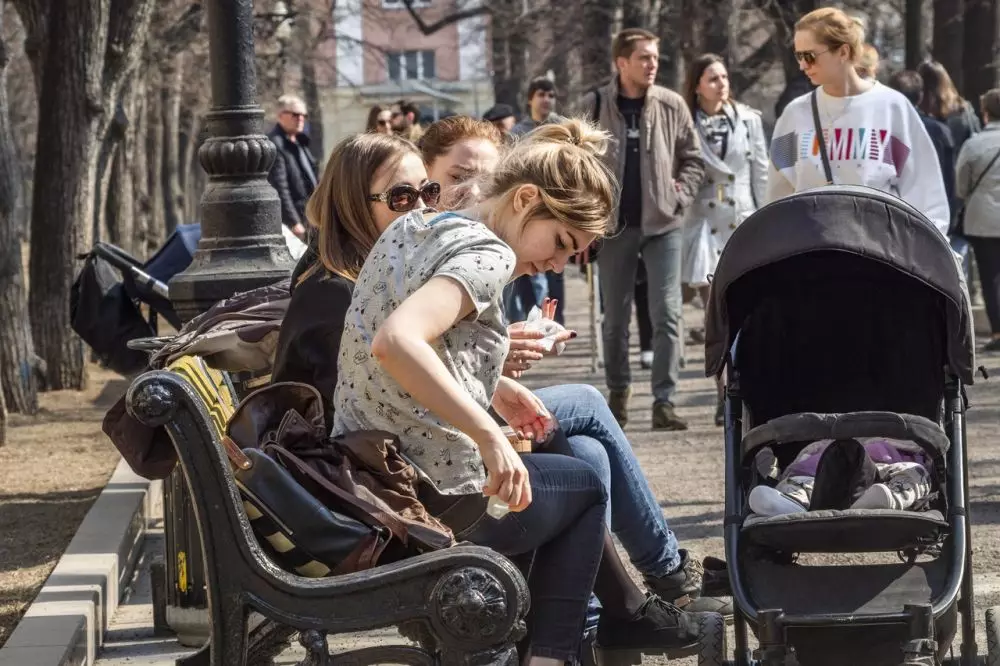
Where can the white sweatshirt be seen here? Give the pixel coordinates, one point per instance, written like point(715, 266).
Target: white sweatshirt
point(877, 140)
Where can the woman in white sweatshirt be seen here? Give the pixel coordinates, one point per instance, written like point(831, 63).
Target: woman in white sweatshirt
point(873, 135)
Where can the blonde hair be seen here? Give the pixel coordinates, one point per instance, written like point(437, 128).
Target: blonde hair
point(563, 160)
point(339, 208)
point(868, 62)
point(834, 29)
point(289, 102)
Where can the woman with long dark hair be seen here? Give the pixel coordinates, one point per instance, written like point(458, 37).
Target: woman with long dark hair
point(735, 154)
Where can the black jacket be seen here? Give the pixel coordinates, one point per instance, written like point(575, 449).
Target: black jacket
point(288, 176)
point(309, 341)
point(944, 146)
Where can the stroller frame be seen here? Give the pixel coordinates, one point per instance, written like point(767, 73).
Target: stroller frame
point(844, 305)
point(772, 622)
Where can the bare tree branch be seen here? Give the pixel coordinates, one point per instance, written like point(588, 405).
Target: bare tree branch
point(454, 17)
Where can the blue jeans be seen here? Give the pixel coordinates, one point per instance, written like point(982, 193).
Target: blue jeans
point(618, 263)
point(633, 513)
point(523, 293)
point(564, 527)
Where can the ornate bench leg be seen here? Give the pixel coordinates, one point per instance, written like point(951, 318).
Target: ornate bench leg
point(317, 649)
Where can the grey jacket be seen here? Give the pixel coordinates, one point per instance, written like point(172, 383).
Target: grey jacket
point(981, 207)
point(528, 123)
point(671, 164)
point(736, 186)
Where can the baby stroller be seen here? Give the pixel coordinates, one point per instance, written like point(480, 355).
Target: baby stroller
point(106, 297)
point(839, 313)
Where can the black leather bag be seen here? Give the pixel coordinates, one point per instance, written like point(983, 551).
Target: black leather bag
point(307, 486)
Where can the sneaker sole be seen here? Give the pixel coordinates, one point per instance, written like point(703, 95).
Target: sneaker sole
point(633, 656)
point(670, 427)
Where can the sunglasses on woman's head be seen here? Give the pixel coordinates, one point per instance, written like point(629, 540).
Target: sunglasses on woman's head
point(809, 57)
point(403, 198)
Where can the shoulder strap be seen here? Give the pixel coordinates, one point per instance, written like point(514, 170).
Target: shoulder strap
point(821, 139)
point(595, 115)
point(982, 175)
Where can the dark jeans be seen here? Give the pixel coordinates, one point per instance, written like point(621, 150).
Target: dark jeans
point(988, 260)
point(564, 526)
point(557, 290)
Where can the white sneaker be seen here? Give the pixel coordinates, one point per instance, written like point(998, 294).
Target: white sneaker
point(878, 496)
point(646, 359)
point(899, 494)
point(766, 501)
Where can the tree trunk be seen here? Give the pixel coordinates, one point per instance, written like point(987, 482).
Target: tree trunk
point(784, 14)
point(173, 195)
point(18, 378)
point(121, 206)
point(3, 416)
point(154, 170)
point(949, 30)
point(671, 72)
point(138, 133)
point(595, 58)
point(69, 109)
point(306, 53)
point(96, 43)
point(634, 14)
point(913, 16)
point(979, 64)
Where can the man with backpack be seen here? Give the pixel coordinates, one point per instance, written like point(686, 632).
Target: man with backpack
point(657, 159)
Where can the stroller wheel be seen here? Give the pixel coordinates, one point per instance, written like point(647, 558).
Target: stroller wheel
point(712, 640)
point(993, 636)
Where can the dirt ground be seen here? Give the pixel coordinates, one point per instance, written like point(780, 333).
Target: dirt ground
point(51, 470)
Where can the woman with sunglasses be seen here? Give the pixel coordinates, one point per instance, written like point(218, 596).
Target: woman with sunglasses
point(379, 120)
point(422, 354)
point(461, 153)
point(345, 223)
point(872, 134)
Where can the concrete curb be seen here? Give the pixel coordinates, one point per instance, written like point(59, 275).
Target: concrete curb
point(66, 623)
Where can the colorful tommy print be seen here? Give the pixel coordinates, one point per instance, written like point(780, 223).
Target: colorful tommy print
point(855, 144)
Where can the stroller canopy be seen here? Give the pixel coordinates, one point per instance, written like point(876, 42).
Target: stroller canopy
point(858, 221)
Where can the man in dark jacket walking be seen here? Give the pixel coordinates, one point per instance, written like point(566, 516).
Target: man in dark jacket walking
point(295, 171)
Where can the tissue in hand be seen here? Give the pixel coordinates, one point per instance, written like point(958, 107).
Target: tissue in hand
point(549, 328)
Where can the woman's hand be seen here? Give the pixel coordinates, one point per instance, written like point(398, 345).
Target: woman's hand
point(525, 350)
point(506, 476)
point(523, 411)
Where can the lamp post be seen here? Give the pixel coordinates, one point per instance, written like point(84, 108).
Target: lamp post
point(241, 248)
point(241, 242)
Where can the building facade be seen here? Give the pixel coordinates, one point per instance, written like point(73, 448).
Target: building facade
point(381, 56)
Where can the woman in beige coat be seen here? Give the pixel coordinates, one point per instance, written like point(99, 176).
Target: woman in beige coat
point(735, 154)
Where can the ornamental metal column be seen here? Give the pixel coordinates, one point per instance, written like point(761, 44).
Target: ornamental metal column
point(241, 248)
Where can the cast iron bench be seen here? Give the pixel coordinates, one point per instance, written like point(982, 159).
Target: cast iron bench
point(465, 605)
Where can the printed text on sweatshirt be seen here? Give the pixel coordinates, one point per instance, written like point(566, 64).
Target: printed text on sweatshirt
point(875, 139)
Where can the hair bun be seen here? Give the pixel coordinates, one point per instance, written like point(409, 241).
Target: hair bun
point(572, 131)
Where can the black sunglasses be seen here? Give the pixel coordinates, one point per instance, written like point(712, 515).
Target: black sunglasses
point(809, 57)
point(403, 198)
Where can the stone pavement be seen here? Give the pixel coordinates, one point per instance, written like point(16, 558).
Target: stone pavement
point(684, 471)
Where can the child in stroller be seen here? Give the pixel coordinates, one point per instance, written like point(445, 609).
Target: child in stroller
point(883, 473)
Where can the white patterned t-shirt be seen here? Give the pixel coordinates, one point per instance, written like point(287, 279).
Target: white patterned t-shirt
point(414, 249)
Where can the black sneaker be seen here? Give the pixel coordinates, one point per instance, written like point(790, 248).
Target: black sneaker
point(657, 625)
point(992, 346)
point(683, 588)
point(665, 418)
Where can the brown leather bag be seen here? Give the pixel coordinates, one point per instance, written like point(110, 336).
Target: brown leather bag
point(361, 477)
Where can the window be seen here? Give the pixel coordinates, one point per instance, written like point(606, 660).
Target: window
point(398, 4)
point(411, 65)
